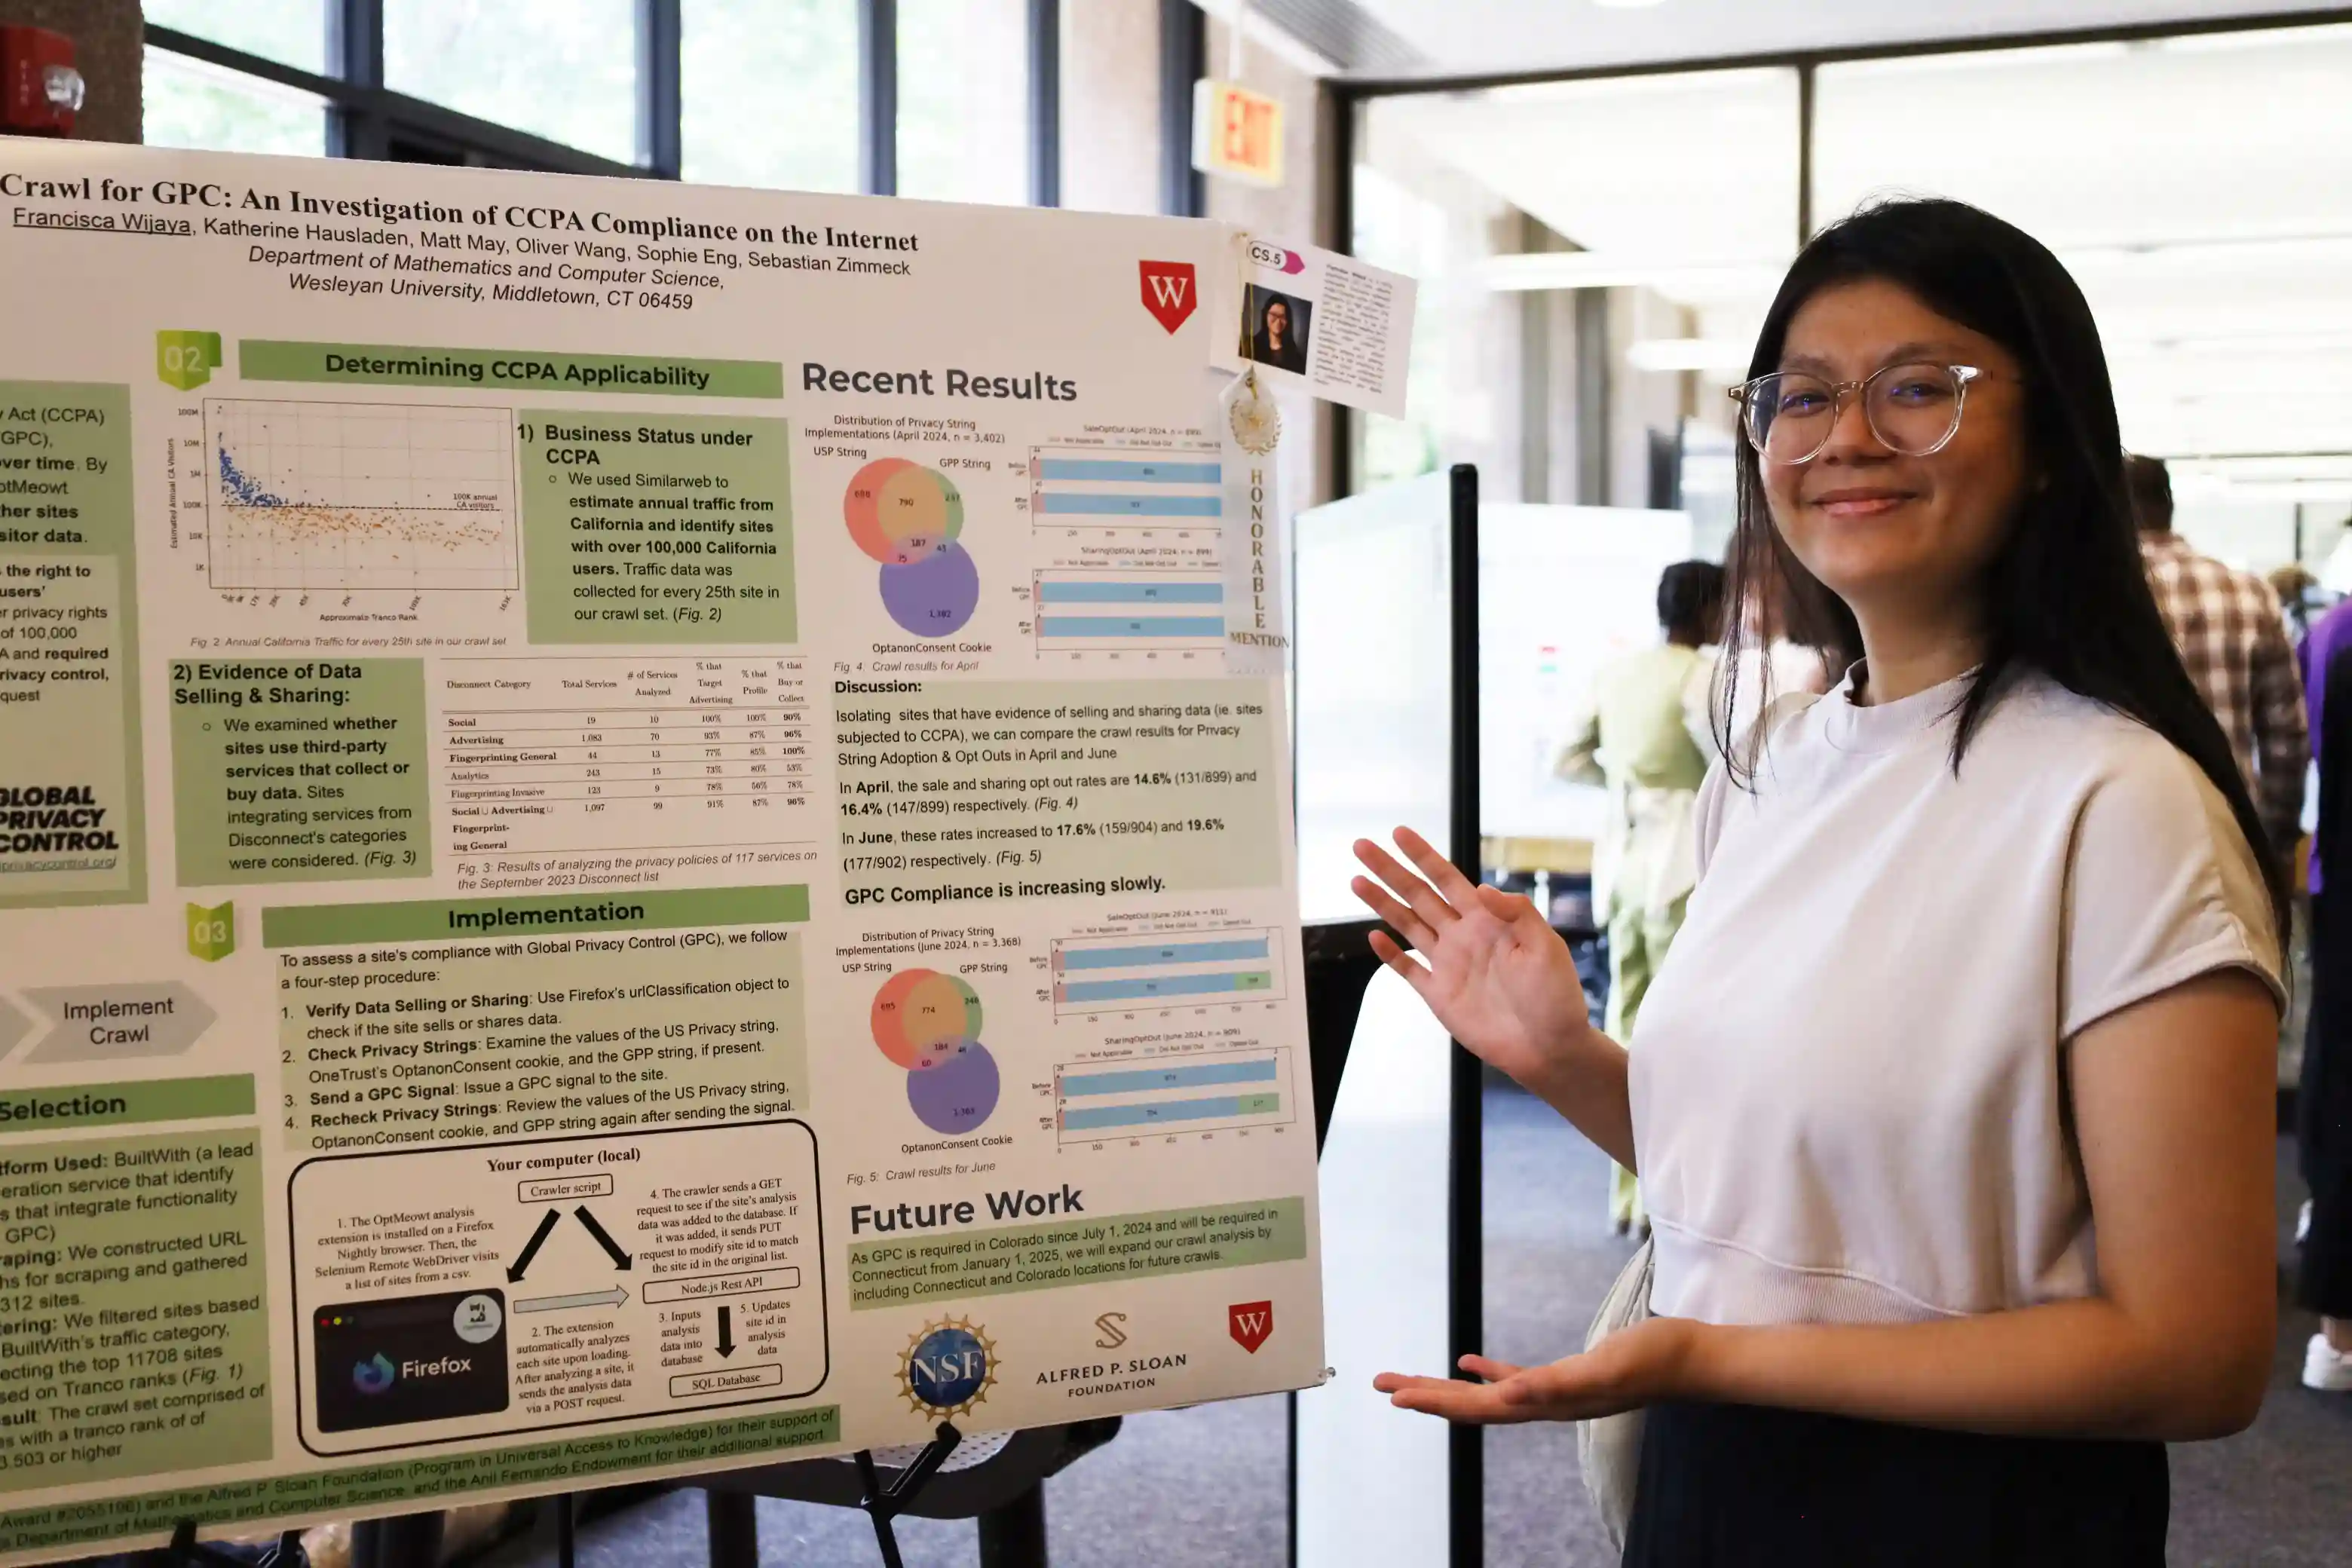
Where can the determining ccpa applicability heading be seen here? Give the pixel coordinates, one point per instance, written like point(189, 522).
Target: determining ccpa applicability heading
point(1036, 386)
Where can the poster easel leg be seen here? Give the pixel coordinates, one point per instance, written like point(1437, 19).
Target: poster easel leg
point(406, 1541)
point(1014, 1536)
point(884, 1504)
point(733, 1519)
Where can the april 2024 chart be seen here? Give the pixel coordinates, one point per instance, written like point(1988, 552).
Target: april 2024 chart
point(359, 497)
point(1166, 594)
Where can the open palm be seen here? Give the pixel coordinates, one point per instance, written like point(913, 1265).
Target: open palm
point(1494, 971)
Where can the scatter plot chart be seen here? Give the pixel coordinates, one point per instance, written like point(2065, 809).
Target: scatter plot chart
point(929, 1024)
point(352, 497)
point(907, 518)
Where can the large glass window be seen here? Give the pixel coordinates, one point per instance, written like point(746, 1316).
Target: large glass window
point(2200, 189)
point(963, 99)
point(1608, 241)
point(768, 91)
point(292, 32)
point(564, 69)
point(192, 104)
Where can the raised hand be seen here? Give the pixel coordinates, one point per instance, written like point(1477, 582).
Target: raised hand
point(1496, 974)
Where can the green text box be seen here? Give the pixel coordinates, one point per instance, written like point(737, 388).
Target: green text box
point(315, 772)
point(1060, 1254)
point(392, 365)
point(657, 528)
point(69, 649)
point(378, 1489)
point(120, 1104)
point(151, 1353)
point(432, 920)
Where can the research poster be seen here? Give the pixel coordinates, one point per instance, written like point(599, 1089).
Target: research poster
point(629, 842)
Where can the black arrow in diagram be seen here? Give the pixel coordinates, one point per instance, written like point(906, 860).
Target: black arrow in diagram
point(620, 1259)
point(530, 1248)
point(726, 1330)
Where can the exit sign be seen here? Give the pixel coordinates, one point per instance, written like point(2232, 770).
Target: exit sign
point(1236, 132)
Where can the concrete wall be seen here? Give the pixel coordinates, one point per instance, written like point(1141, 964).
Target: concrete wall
point(107, 50)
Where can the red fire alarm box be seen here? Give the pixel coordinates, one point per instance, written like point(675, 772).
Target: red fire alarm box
point(39, 88)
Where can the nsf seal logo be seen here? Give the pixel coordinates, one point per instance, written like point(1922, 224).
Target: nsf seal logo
point(951, 1365)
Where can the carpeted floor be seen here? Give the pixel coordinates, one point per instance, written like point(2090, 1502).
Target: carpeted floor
point(1206, 1487)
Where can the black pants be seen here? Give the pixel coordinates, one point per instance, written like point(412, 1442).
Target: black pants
point(2324, 1107)
point(1727, 1486)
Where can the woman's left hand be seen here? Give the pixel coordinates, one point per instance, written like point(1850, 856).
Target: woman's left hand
point(1630, 1369)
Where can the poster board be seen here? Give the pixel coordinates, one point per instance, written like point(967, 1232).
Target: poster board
point(626, 846)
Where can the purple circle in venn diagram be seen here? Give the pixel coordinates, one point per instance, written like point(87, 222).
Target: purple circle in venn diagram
point(958, 1094)
point(934, 596)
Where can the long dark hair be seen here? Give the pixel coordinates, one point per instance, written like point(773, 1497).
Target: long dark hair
point(2066, 595)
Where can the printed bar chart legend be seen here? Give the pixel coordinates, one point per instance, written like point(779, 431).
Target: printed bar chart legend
point(1126, 973)
point(1093, 1101)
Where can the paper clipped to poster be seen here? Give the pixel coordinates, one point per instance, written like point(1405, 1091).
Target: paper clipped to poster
point(1339, 328)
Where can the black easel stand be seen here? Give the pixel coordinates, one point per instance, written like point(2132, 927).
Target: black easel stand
point(884, 1503)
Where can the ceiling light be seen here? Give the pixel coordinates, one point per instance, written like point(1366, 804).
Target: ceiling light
point(1627, 5)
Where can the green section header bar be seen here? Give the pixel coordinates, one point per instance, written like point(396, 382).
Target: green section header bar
point(392, 365)
point(374, 1489)
point(439, 920)
point(1083, 1250)
point(120, 1104)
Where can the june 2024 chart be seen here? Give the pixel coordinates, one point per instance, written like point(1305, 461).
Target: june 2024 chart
point(358, 496)
point(1189, 1088)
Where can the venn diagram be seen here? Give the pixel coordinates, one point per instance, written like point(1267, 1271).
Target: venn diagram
point(906, 517)
point(929, 1024)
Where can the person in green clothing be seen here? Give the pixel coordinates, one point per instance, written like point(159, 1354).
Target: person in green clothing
point(1646, 735)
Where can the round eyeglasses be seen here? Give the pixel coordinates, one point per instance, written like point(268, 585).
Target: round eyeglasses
point(1912, 408)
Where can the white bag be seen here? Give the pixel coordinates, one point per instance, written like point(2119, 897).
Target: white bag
point(1609, 1448)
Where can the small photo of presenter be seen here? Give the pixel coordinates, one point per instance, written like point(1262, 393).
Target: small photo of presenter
point(1274, 329)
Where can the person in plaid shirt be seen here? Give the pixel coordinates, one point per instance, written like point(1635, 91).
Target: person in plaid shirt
point(2227, 626)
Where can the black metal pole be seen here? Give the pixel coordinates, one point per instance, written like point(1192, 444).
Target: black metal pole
point(1184, 60)
point(1044, 103)
point(732, 1523)
point(877, 96)
point(1014, 1536)
point(1465, 1231)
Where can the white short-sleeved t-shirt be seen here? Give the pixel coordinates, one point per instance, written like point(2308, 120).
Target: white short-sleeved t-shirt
point(1847, 1082)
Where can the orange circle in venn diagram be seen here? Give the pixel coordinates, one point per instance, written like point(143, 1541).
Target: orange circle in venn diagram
point(899, 511)
point(921, 1016)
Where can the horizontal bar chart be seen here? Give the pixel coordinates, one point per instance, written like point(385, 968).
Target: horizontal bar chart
point(1102, 974)
point(1079, 612)
point(1109, 488)
point(1197, 1096)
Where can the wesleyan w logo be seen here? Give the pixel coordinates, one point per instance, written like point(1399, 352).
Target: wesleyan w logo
point(1250, 1323)
point(1170, 291)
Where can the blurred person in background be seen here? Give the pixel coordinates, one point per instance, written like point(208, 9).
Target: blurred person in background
point(1768, 659)
point(2227, 625)
point(2324, 1103)
point(2294, 585)
point(1643, 735)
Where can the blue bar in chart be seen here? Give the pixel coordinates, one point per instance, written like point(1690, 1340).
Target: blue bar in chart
point(1094, 1117)
point(1101, 503)
point(1208, 952)
point(1135, 470)
point(1127, 590)
point(1145, 988)
point(1131, 1079)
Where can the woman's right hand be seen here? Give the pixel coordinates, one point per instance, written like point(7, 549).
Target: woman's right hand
point(1497, 975)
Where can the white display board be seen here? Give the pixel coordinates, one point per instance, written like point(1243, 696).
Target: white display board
point(1562, 589)
point(625, 843)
